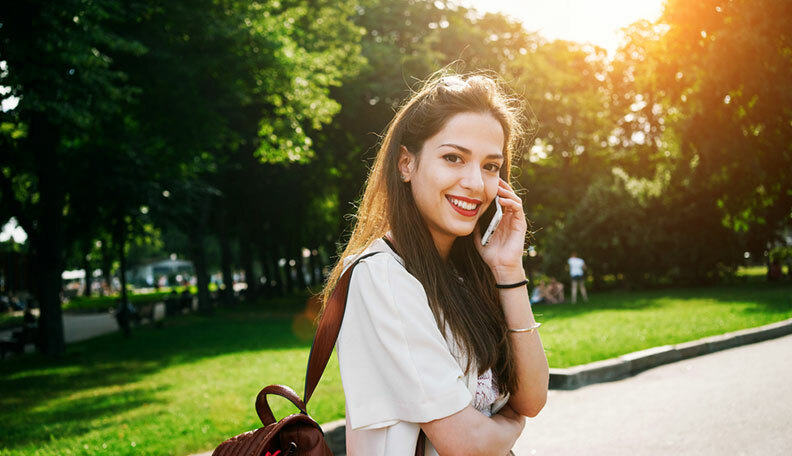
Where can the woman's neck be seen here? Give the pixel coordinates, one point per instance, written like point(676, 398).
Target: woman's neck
point(443, 246)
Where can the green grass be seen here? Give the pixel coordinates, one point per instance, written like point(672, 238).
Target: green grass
point(615, 323)
point(186, 387)
point(171, 390)
point(9, 320)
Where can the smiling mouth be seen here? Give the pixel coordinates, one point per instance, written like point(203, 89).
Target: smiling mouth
point(463, 207)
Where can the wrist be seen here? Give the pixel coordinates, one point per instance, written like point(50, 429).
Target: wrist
point(504, 275)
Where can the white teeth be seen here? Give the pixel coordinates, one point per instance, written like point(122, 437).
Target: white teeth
point(463, 204)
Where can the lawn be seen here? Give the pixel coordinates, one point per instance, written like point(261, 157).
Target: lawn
point(185, 387)
point(615, 323)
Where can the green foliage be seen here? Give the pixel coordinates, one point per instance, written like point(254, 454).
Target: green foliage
point(781, 254)
point(697, 132)
point(715, 66)
point(103, 303)
point(59, 59)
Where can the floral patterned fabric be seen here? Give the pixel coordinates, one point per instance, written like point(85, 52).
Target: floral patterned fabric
point(486, 393)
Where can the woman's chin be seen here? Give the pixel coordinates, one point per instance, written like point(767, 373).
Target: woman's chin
point(463, 231)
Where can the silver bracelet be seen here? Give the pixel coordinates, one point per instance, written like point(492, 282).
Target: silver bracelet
point(531, 329)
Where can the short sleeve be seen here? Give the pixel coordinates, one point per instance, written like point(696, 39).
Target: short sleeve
point(395, 364)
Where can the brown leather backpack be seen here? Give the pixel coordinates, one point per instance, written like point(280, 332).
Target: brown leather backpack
point(298, 434)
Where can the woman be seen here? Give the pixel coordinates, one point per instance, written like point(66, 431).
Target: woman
point(427, 341)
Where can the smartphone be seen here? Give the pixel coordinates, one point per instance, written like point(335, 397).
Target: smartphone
point(496, 218)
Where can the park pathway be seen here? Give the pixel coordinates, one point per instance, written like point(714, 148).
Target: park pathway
point(80, 327)
point(736, 402)
point(77, 327)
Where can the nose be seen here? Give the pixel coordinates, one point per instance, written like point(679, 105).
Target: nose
point(473, 181)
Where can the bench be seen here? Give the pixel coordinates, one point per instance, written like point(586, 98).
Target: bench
point(152, 311)
point(19, 340)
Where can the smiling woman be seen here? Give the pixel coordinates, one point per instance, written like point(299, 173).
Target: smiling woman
point(459, 177)
point(438, 335)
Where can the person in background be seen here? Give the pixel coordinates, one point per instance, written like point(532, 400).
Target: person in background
point(555, 291)
point(538, 295)
point(576, 267)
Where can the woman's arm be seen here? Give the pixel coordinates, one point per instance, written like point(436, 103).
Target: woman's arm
point(471, 433)
point(529, 356)
point(503, 254)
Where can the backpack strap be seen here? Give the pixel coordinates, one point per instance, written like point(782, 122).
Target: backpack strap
point(327, 335)
point(327, 332)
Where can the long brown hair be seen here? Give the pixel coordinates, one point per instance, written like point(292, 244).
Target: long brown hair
point(471, 309)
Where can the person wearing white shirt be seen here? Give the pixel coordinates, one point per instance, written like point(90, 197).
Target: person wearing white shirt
point(438, 337)
point(576, 266)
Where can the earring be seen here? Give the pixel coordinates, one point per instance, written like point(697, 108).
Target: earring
point(403, 177)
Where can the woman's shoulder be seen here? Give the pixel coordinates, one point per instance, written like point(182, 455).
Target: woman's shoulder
point(378, 253)
point(380, 276)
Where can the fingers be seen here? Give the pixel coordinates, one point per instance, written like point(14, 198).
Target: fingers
point(511, 204)
point(505, 191)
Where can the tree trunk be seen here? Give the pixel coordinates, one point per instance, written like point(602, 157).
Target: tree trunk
point(88, 275)
point(49, 284)
point(48, 240)
point(300, 269)
point(120, 241)
point(225, 266)
point(198, 254)
point(270, 271)
point(278, 283)
point(288, 279)
point(107, 266)
point(246, 254)
point(197, 235)
point(316, 267)
point(769, 245)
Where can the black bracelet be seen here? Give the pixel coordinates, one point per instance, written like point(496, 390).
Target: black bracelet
point(512, 285)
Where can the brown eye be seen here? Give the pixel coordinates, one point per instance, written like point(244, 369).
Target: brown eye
point(494, 167)
point(451, 158)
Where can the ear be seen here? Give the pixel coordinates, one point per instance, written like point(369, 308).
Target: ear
point(407, 162)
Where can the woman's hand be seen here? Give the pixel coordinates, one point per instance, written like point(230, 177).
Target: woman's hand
point(503, 253)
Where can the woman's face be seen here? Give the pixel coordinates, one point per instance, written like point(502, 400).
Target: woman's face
point(457, 176)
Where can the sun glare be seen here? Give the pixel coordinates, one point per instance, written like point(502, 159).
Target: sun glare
point(584, 21)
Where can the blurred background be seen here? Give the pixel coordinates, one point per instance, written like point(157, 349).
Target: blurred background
point(216, 148)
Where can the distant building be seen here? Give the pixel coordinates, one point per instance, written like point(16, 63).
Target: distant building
point(147, 275)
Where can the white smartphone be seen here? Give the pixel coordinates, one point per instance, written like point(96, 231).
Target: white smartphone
point(494, 223)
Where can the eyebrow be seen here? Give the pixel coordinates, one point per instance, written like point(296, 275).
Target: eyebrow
point(468, 151)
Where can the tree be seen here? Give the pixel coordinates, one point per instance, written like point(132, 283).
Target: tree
point(716, 74)
point(58, 63)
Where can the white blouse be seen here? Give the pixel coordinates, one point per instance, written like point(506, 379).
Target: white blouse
point(397, 369)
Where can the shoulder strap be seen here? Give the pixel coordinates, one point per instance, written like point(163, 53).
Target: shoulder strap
point(327, 334)
point(327, 331)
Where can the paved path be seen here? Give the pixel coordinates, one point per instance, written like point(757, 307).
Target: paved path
point(81, 327)
point(733, 402)
point(77, 327)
